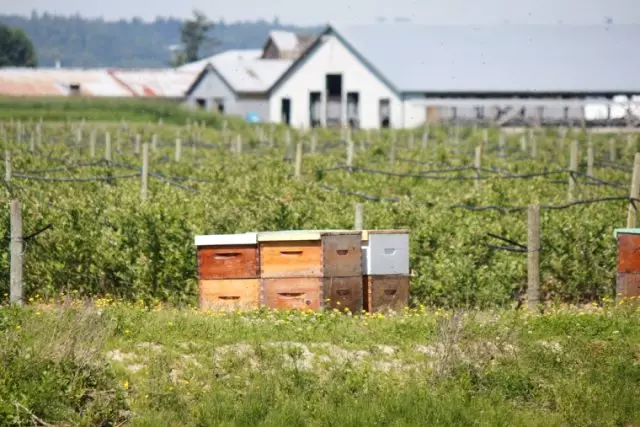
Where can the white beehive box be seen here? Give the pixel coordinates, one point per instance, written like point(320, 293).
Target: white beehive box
point(385, 252)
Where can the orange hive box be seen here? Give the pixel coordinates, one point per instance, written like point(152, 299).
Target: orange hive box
point(311, 269)
point(228, 271)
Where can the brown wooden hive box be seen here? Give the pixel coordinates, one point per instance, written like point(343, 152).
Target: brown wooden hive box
point(232, 256)
point(310, 254)
point(229, 294)
point(628, 253)
point(385, 293)
point(315, 293)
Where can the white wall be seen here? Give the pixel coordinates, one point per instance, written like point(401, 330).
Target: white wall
point(334, 58)
point(210, 87)
point(246, 105)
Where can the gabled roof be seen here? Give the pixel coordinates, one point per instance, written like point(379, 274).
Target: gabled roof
point(199, 65)
point(284, 40)
point(501, 58)
point(245, 76)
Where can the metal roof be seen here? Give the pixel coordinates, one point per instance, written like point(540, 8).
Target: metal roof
point(251, 75)
point(57, 82)
point(155, 83)
point(504, 58)
point(199, 65)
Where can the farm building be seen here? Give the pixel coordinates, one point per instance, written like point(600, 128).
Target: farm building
point(401, 75)
point(115, 83)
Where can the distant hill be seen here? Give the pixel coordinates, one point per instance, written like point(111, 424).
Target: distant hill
point(81, 42)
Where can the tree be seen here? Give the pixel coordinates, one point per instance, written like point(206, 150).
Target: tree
point(16, 49)
point(194, 35)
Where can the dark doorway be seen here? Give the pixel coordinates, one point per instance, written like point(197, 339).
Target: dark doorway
point(334, 99)
point(286, 111)
point(384, 112)
point(201, 103)
point(353, 109)
point(219, 105)
point(315, 106)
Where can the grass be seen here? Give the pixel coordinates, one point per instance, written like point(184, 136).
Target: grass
point(158, 366)
point(106, 110)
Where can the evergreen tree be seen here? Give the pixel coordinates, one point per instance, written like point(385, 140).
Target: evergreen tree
point(16, 49)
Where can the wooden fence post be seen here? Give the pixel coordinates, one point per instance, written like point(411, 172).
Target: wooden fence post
point(612, 150)
point(7, 165)
point(136, 144)
point(533, 257)
point(239, 142)
point(392, 150)
point(501, 145)
point(145, 172)
point(632, 213)
point(411, 141)
point(107, 146)
point(298, 165)
point(359, 217)
point(425, 139)
point(92, 144)
point(178, 153)
point(314, 142)
point(15, 291)
point(573, 167)
point(477, 164)
point(590, 159)
point(350, 148)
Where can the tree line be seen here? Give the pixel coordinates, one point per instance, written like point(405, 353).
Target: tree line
point(81, 42)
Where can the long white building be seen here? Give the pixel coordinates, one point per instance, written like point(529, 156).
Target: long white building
point(401, 75)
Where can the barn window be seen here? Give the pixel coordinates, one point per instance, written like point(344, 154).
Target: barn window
point(384, 109)
point(315, 105)
point(201, 103)
point(219, 105)
point(480, 113)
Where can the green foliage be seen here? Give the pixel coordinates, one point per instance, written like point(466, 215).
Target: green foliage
point(16, 49)
point(105, 240)
point(134, 43)
point(194, 34)
point(55, 378)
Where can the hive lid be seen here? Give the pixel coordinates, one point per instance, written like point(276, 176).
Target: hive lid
point(227, 239)
point(618, 231)
point(366, 233)
point(299, 235)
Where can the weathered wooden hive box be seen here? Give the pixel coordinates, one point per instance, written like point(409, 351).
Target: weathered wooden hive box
point(628, 265)
point(385, 267)
point(228, 271)
point(311, 269)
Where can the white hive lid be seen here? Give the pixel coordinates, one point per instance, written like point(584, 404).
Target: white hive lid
point(227, 239)
point(366, 233)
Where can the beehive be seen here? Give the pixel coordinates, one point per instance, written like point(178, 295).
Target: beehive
point(311, 269)
point(228, 271)
point(385, 266)
point(628, 263)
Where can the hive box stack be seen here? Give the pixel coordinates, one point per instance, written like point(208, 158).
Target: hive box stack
point(628, 266)
point(228, 271)
point(385, 266)
point(311, 269)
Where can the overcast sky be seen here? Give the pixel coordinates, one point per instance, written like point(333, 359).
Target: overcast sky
point(305, 12)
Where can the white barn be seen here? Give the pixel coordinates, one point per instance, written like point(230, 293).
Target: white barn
point(401, 75)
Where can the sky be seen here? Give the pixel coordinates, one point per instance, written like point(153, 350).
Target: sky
point(301, 12)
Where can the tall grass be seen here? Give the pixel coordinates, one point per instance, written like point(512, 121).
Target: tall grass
point(157, 367)
point(105, 110)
